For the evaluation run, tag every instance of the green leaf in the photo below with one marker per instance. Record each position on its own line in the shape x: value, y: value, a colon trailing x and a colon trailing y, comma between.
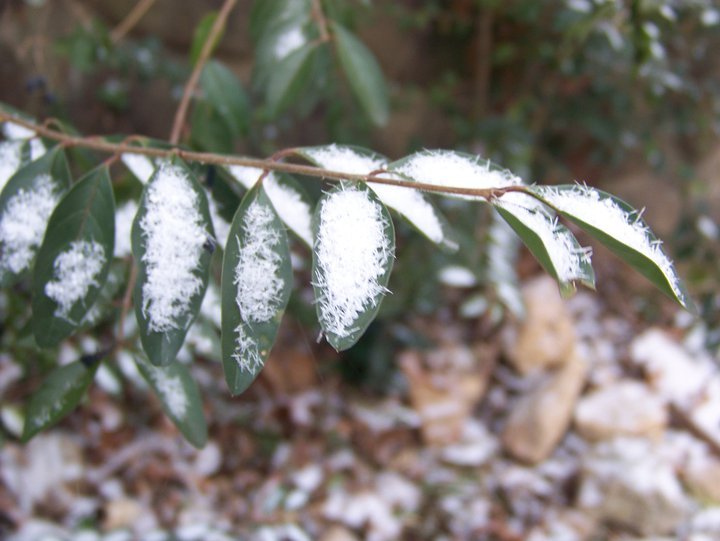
x: 363, y: 74
x: 74, y: 259
x: 552, y: 244
x: 201, y: 35
x: 225, y: 94
x: 256, y: 286
x: 209, y: 130
x: 290, y: 78
x: 26, y: 202
x: 267, y: 15
x: 58, y: 395
x: 180, y: 398
x: 172, y: 245
x: 353, y: 255
x: 619, y: 227
x: 410, y: 204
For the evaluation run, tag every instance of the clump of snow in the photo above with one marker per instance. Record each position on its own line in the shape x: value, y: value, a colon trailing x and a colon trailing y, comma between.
x: 175, y: 234
x: 450, y: 169
x: 37, y: 148
x: 75, y: 271
x: 501, y: 250
x: 10, y: 160
x: 604, y: 214
x: 171, y: 390
x: 11, y: 130
x: 457, y: 276
x: 288, y: 42
x: 246, y: 352
x: 363, y: 509
x: 408, y: 202
x: 288, y: 203
x: 23, y: 223
x: 353, y: 252
x: 139, y: 165
x: 568, y: 258
x: 124, y: 217
x: 257, y: 272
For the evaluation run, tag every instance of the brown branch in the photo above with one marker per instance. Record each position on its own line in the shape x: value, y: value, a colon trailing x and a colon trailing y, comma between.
x: 319, y: 16
x: 132, y: 18
x: 101, y: 145
x: 192, y: 82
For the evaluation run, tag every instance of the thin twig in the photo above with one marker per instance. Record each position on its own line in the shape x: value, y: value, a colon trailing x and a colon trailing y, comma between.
x: 192, y: 82
x: 319, y: 16
x: 132, y: 18
x: 126, y: 302
x: 101, y: 145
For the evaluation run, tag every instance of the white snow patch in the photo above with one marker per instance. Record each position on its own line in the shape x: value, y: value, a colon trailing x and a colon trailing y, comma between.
x: 457, y: 276
x: 23, y: 223
x: 288, y: 203
x: 174, y: 234
x: 288, y: 42
x: 124, y: 217
x: 604, y: 214
x: 11, y: 130
x: 37, y: 149
x: 220, y: 224
x: 139, y: 165
x: 352, y: 253
x: 171, y: 390
x: 446, y: 168
x: 257, y: 272
x: 567, y: 257
x: 363, y: 509
x: 75, y: 271
x: 408, y: 202
x: 246, y: 352
x: 10, y: 160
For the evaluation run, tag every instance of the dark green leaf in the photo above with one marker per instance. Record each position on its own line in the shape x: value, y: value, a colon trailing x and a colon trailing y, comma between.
x: 268, y: 15
x: 180, y: 398
x: 172, y: 245
x: 290, y: 78
x: 209, y: 131
x: 73, y: 261
x: 552, y: 244
x: 363, y: 74
x: 59, y: 394
x: 353, y: 255
x: 256, y: 286
x: 225, y: 94
x: 619, y: 227
x: 201, y: 35
x: 26, y: 202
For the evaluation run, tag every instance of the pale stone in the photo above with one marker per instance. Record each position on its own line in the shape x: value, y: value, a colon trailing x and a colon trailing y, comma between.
x: 625, y: 408
x: 540, y: 418
x: 546, y: 337
x: 121, y: 513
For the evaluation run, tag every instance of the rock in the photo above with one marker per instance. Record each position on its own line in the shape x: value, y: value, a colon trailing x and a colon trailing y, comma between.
x: 546, y: 337
x: 625, y: 408
x: 445, y: 385
x: 628, y: 481
x: 539, y: 419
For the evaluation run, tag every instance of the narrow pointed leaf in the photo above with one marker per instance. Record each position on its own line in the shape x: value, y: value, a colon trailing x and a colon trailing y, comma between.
x: 289, y: 78
x: 172, y: 243
x: 267, y: 16
x: 290, y: 200
x: 180, y: 398
x: 353, y: 255
x: 411, y: 204
x: 619, y: 227
x: 58, y: 395
x: 363, y: 73
x: 201, y: 35
x: 552, y: 244
x: 74, y: 259
x: 256, y: 286
x: 26, y: 202
x: 225, y: 94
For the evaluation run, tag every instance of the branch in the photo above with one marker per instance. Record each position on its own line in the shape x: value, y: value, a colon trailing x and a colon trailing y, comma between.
x: 132, y: 18
x: 192, y: 82
x: 319, y: 16
x: 99, y: 144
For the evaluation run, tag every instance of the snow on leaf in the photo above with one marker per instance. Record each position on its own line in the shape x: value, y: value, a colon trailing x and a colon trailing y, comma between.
x: 74, y: 271
x: 23, y: 224
x: 288, y: 202
x: 10, y: 160
x: 257, y: 273
x: 603, y: 213
x: 37, y: 148
x: 568, y: 259
x: 352, y: 252
x: 140, y: 166
x: 288, y: 42
x: 410, y: 203
x: 453, y: 169
x: 124, y: 217
x: 174, y: 231
x: 246, y: 352
x: 11, y: 130
x: 171, y: 389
